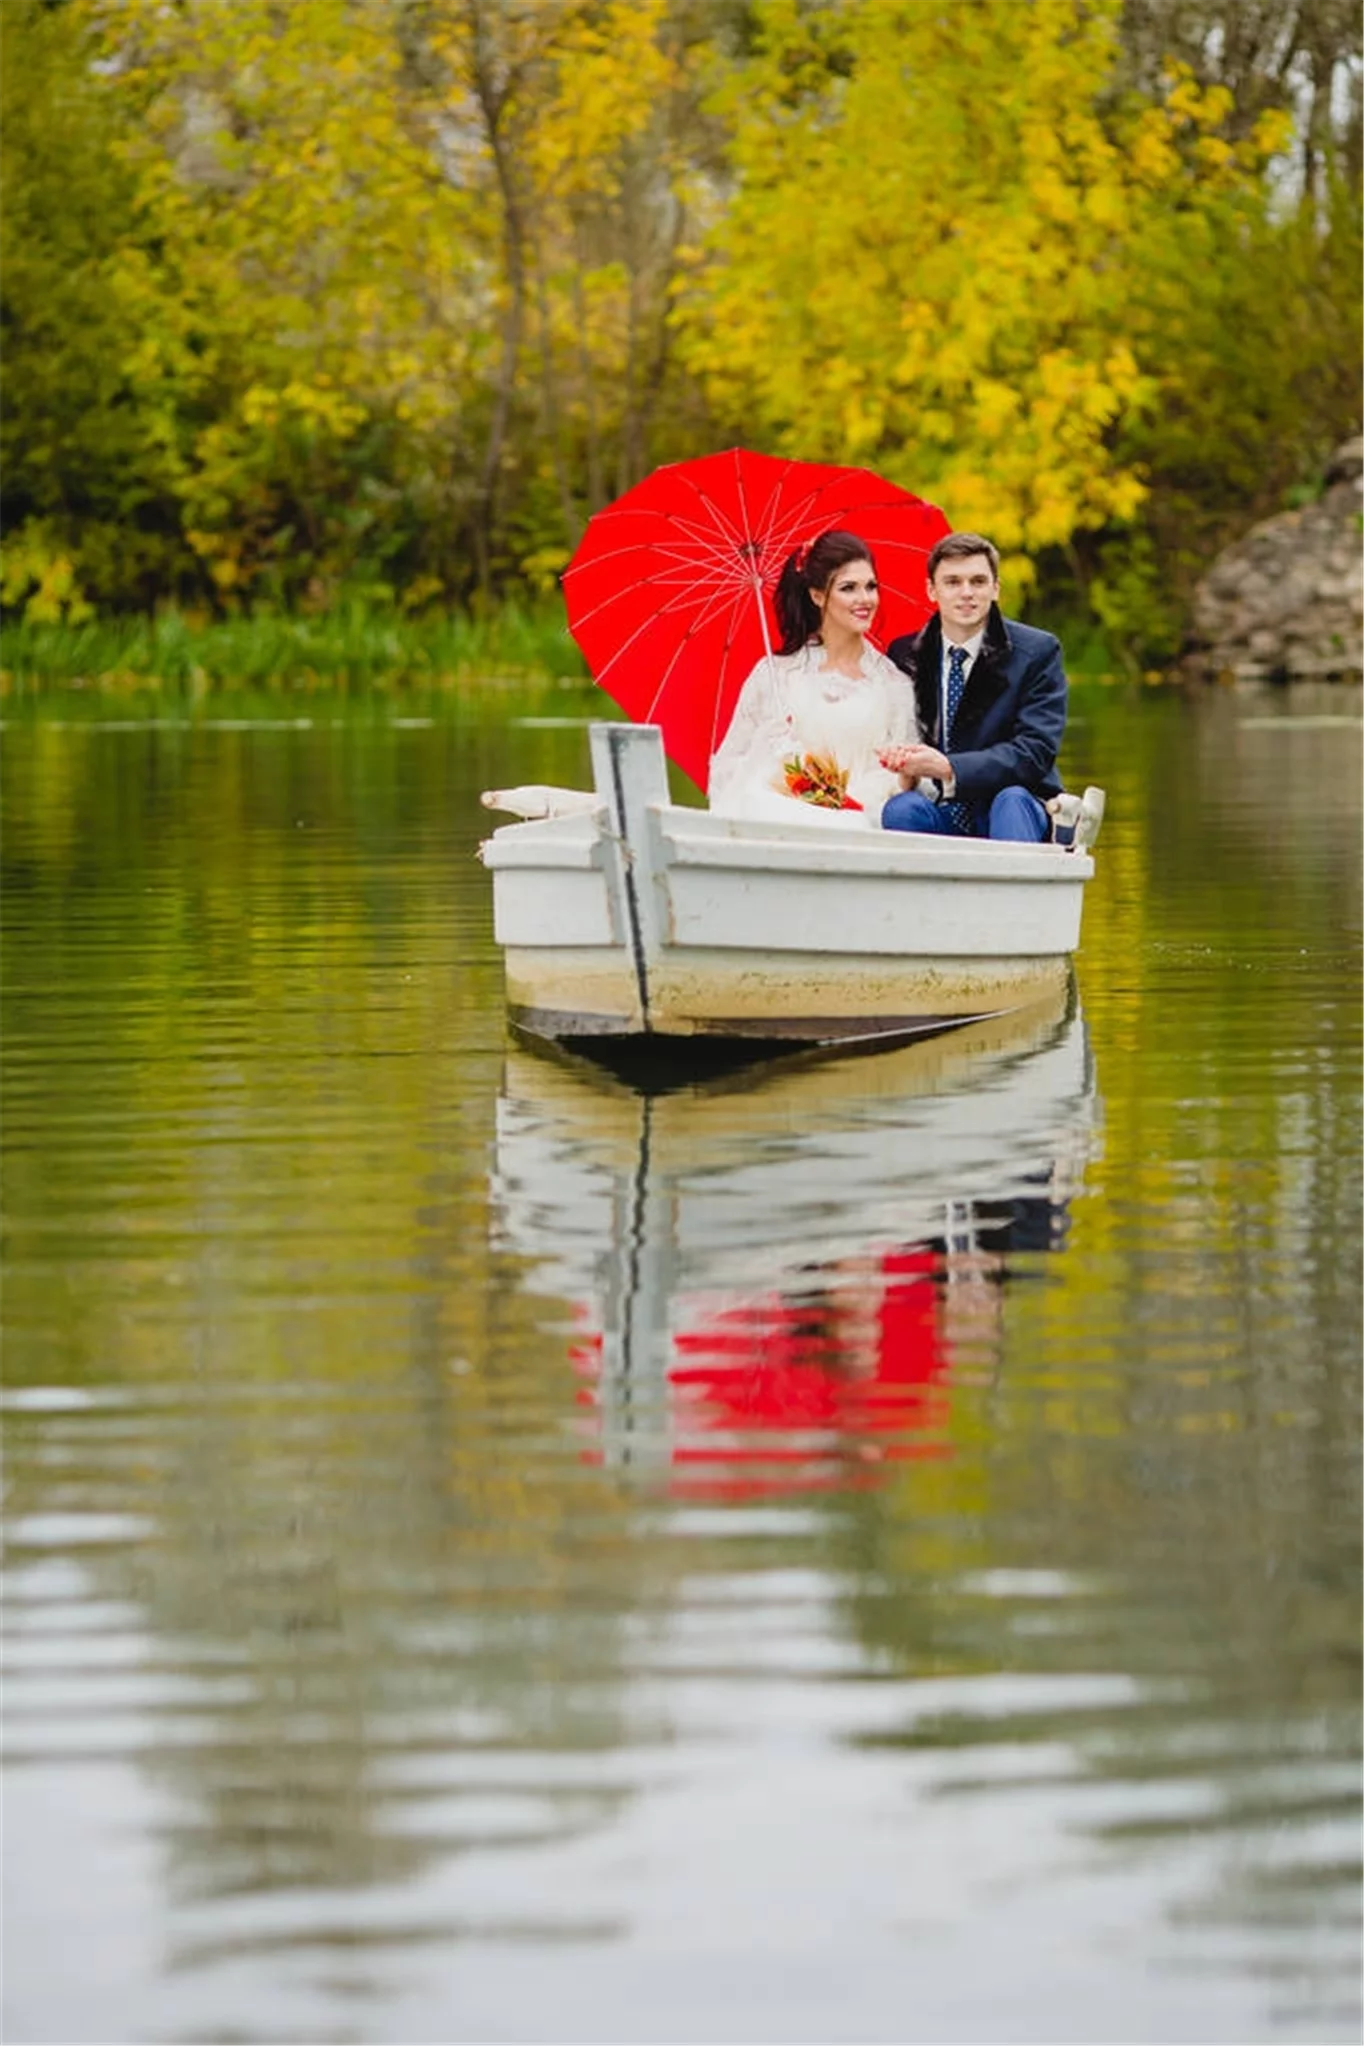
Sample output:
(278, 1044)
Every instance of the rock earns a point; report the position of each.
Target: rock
(1347, 462)
(1287, 601)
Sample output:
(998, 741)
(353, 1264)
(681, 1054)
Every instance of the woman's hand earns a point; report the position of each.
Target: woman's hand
(913, 762)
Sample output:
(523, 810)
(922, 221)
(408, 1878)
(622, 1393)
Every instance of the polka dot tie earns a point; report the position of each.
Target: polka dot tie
(956, 682)
(959, 813)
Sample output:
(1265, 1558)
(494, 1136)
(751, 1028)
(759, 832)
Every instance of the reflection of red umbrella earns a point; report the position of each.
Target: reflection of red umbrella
(767, 1398)
(670, 593)
(770, 1395)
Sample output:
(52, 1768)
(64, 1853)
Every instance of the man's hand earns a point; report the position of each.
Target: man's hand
(910, 762)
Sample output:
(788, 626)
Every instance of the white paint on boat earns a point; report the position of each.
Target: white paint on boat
(633, 915)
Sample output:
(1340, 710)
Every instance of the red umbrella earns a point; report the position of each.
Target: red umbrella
(752, 1386)
(771, 1395)
(670, 593)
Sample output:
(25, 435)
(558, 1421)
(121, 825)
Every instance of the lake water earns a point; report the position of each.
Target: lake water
(864, 1552)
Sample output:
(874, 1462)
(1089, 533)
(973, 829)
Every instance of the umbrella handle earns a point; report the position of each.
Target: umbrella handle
(762, 618)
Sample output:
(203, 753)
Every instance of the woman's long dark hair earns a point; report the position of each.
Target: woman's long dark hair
(810, 568)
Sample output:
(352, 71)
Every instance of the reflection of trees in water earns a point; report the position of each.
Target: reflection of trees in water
(370, 1641)
(365, 1577)
(1122, 1508)
(246, 1172)
(400, 1629)
(387, 1613)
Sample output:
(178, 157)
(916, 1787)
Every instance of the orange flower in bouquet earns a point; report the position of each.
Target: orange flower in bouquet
(817, 778)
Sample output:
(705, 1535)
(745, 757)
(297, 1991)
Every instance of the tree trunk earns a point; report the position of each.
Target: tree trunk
(550, 407)
(595, 495)
(492, 102)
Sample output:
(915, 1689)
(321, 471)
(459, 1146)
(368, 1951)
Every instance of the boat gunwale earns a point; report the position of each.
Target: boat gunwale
(891, 854)
(699, 838)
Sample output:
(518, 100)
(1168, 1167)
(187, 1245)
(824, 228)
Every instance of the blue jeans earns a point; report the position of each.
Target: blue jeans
(1015, 813)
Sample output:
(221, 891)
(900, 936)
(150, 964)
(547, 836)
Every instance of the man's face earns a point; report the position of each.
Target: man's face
(963, 587)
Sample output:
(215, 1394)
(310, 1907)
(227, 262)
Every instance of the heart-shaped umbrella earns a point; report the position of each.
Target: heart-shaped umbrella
(670, 593)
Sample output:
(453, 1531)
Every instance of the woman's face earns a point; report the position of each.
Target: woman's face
(849, 599)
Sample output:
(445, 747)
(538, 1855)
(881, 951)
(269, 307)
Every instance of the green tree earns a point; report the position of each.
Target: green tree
(89, 450)
(924, 260)
(384, 298)
(1256, 376)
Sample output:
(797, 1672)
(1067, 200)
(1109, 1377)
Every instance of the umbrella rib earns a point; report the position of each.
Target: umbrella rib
(733, 585)
(674, 553)
(722, 518)
(720, 681)
(667, 675)
(688, 529)
(664, 611)
(707, 554)
(722, 549)
(719, 698)
(797, 514)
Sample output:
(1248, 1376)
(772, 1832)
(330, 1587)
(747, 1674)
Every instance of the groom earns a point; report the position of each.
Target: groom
(990, 694)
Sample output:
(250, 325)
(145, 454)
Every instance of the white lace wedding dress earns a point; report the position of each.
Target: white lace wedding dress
(794, 704)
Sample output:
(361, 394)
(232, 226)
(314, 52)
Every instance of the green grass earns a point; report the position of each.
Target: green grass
(349, 647)
(280, 651)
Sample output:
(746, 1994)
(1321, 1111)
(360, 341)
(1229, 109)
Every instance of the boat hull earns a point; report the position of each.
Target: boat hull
(642, 918)
(791, 996)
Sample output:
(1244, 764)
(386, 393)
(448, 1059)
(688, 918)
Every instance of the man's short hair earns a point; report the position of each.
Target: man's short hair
(956, 546)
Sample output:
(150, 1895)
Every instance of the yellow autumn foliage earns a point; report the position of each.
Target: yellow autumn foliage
(936, 230)
(352, 298)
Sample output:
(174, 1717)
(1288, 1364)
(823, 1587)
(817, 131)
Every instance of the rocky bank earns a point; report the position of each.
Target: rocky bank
(1287, 601)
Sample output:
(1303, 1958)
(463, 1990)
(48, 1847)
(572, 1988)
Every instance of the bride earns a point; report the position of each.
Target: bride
(813, 719)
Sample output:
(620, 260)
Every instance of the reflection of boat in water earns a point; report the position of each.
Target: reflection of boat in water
(632, 925)
(762, 1271)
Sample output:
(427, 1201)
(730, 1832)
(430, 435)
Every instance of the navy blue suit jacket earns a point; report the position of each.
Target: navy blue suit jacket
(1012, 715)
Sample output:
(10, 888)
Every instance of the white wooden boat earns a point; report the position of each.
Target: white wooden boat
(631, 918)
(655, 1219)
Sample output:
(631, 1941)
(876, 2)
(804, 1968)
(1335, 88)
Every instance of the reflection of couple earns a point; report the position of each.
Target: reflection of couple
(811, 1384)
(792, 1389)
(969, 750)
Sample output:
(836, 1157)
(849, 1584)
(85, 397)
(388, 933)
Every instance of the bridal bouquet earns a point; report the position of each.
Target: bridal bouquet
(818, 778)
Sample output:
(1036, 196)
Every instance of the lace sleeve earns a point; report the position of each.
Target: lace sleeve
(751, 751)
